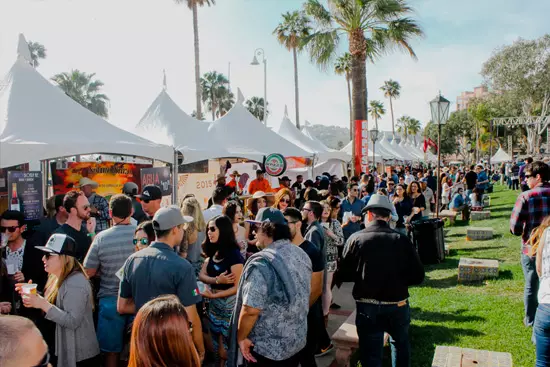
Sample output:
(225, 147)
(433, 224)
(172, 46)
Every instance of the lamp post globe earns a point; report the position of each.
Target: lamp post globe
(440, 114)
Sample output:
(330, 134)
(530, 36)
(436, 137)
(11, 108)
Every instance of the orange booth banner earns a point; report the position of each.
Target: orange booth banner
(361, 141)
(110, 176)
(297, 162)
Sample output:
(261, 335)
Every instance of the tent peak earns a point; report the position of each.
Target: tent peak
(164, 85)
(240, 97)
(286, 111)
(23, 51)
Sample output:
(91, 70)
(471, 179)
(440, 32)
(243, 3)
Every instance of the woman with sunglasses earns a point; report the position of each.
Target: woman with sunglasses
(161, 335)
(283, 199)
(414, 192)
(144, 235)
(68, 302)
(334, 242)
(403, 207)
(222, 271)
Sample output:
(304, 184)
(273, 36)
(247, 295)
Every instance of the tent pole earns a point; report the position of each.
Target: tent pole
(175, 178)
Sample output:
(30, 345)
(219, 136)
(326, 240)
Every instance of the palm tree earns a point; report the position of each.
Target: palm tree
(226, 100)
(255, 105)
(372, 27)
(403, 126)
(213, 87)
(392, 90)
(38, 51)
(376, 111)
(342, 66)
(193, 5)
(413, 128)
(83, 89)
(291, 33)
(194, 114)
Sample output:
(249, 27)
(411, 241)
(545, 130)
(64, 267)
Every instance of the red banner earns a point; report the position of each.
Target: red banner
(360, 139)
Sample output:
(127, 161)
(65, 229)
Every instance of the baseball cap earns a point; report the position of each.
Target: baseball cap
(169, 217)
(130, 188)
(60, 244)
(150, 192)
(269, 215)
(285, 178)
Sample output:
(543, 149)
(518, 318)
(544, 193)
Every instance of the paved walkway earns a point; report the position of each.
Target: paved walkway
(343, 297)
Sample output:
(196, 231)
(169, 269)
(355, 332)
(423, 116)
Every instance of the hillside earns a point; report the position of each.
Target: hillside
(334, 137)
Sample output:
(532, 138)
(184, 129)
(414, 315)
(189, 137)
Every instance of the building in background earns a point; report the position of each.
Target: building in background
(463, 100)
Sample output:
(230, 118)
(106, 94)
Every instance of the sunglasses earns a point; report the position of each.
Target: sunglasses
(145, 201)
(212, 229)
(9, 229)
(142, 241)
(526, 177)
(47, 255)
(284, 201)
(45, 361)
(86, 207)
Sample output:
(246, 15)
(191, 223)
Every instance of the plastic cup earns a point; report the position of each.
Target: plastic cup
(29, 288)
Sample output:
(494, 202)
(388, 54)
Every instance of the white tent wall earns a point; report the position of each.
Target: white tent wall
(501, 156)
(38, 121)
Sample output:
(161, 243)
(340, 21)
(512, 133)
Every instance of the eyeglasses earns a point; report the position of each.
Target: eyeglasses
(143, 241)
(284, 201)
(528, 176)
(391, 184)
(295, 221)
(145, 201)
(306, 209)
(212, 229)
(45, 361)
(47, 255)
(86, 207)
(9, 229)
(353, 190)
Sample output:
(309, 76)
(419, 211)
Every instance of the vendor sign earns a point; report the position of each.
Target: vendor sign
(361, 141)
(275, 164)
(25, 193)
(110, 176)
(158, 176)
(201, 185)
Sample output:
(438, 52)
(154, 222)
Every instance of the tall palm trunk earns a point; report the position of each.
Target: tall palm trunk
(296, 95)
(197, 61)
(358, 80)
(392, 121)
(348, 82)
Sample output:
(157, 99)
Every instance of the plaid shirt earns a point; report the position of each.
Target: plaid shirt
(531, 208)
(102, 216)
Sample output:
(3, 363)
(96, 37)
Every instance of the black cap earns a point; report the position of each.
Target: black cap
(285, 178)
(150, 192)
(60, 244)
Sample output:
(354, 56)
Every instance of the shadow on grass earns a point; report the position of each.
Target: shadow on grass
(430, 316)
(473, 249)
(505, 275)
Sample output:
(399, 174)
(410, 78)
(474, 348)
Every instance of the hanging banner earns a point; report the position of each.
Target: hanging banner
(4, 177)
(110, 176)
(25, 193)
(297, 162)
(361, 141)
(201, 185)
(158, 176)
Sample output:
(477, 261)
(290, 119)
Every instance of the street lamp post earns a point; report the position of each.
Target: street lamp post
(440, 113)
(373, 138)
(261, 52)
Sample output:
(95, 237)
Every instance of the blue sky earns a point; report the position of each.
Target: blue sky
(128, 43)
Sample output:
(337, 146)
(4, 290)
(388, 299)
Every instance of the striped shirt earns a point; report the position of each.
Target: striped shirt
(108, 253)
(531, 208)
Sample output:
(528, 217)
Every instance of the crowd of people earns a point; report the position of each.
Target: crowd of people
(246, 281)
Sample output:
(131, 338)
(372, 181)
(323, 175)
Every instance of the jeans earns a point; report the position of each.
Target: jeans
(531, 289)
(372, 321)
(541, 330)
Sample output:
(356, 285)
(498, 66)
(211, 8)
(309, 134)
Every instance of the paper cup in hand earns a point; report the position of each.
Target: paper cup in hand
(29, 288)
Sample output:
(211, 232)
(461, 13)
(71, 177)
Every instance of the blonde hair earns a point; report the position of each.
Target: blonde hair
(191, 207)
(70, 265)
(536, 236)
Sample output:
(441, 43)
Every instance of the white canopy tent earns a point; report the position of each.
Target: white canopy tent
(38, 122)
(409, 147)
(378, 155)
(289, 131)
(245, 136)
(165, 123)
(501, 156)
(307, 132)
(403, 152)
(385, 144)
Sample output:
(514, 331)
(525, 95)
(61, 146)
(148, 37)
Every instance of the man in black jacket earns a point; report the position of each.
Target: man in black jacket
(383, 264)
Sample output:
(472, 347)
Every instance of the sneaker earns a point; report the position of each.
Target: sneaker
(324, 351)
(335, 306)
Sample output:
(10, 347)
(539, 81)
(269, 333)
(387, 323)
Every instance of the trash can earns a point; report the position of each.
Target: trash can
(429, 240)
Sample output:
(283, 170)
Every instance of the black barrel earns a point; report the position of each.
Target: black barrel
(429, 239)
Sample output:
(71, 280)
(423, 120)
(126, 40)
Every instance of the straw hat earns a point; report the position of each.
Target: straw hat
(260, 194)
(86, 181)
(235, 174)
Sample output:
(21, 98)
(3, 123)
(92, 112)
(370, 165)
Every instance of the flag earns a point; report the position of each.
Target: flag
(429, 143)
(196, 292)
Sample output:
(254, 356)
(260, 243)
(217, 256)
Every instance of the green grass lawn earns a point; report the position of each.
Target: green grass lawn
(485, 315)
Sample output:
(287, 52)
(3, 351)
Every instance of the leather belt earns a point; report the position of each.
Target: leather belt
(377, 302)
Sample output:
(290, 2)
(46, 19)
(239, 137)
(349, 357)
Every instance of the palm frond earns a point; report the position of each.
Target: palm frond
(322, 47)
(318, 12)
